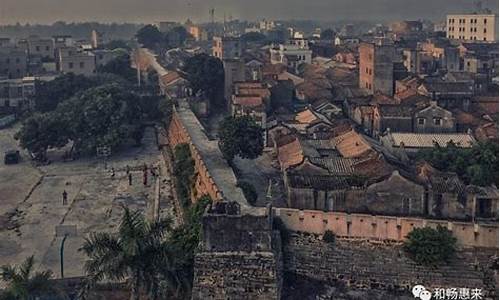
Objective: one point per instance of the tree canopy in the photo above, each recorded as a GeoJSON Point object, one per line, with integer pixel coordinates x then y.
{"type": "Point", "coordinates": [429, 246]}
{"type": "Point", "coordinates": [149, 36]}
{"type": "Point", "coordinates": [206, 74]}
{"type": "Point", "coordinates": [106, 115]}
{"type": "Point", "coordinates": [240, 136]}
{"type": "Point", "coordinates": [25, 284]}
{"type": "Point", "coordinates": [477, 165]}
{"type": "Point", "coordinates": [253, 37]}
{"type": "Point", "coordinates": [327, 34]}
{"type": "Point", "coordinates": [120, 66]}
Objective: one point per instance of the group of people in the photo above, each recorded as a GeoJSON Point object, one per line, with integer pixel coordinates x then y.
{"type": "Point", "coordinates": [153, 170]}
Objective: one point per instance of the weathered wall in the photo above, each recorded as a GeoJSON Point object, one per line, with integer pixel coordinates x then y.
{"type": "Point", "coordinates": [361, 264]}
{"type": "Point", "coordinates": [204, 185]}
{"type": "Point", "coordinates": [240, 255]}
{"type": "Point", "coordinates": [383, 227]}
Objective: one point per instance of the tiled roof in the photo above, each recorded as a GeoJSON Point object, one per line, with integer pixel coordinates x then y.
{"type": "Point", "coordinates": [170, 78]}
{"type": "Point", "coordinates": [336, 165]}
{"type": "Point", "coordinates": [290, 154]}
{"type": "Point", "coordinates": [351, 145]}
{"type": "Point", "coordinates": [318, 182]}
{"type": "Point", "coordinates": [307, 116]}
{"type": "Point", "coordinates": [247, 101]}
{"type": "Point", "coordinates": [427, 140]}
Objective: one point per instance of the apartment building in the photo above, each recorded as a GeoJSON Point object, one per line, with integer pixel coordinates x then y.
{"type": "Point", "coordinates": [472, 27]}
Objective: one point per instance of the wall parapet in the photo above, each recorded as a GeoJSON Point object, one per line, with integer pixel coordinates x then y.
{"type": "Point", "coordinates": [376, 227]}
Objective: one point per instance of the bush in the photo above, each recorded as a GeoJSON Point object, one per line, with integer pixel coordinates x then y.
{"type": "Point", "coordinates": [249, 191]}
{"type": "Point", "coordinates": [329, 237]}
{"type": "Point", "coordinates": [429, 246]}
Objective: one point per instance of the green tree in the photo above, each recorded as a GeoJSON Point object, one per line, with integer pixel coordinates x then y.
{"type": "Point", "coordinates": [138, 252]}
{"type": "Point", "coordinates": [429, 246]}
{"type": "Point", "coordinates": [183, 172]}
{"type": "Point", "coordinates": [177, 36]}
{"type": "Point", "coordinates": [206, 74]}
{"type": "Point", "coordinates": [117, 44]}
{"type": "Point", "coordinates": [149, 36]}
{"type": "Point", "coordinates": [105, 115]}
{"type": "Point", "coordinates": [327, 34]}
{"type": "Point", "coordinates": [50, 93]}
{"type": "Point", "coordinates": [25, 284]}
{"type": "Point", "coordinates": [40, 132]}
{"type": "Point", "coordinates": [249, 191]}
{"type": "Point", "coordinates": [184, 241]}
{"type": "Point", "coordinates": [477, 165]}
{"type": "Point", "coordinates": [253, 37]}
{"type": "Point", "coordinates": [120, 66]}
{"type": "Point", "coordinates": [240, 136]}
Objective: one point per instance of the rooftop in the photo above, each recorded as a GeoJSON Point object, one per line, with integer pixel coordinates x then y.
{"type": "Point", "coordinates": [427, 140]}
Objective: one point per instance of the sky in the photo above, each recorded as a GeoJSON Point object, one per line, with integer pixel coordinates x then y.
{"type": "Point", "coordinates": [147, 11]}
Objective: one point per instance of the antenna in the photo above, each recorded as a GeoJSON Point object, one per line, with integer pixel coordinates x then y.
{"type": "Point", "coordinates": [212, 15]}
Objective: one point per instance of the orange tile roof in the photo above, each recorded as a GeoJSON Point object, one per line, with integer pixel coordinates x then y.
{"type": "Point", "coordinates": [248, 101]}
{"type": "Point", "coordinates": [290, 154]}
{"type": "Point", "coordinates": [170, 77]}
{"type": "Point", "coordinates": [352, 144]}
{"type": "Point", "coordinates": [307, 117]}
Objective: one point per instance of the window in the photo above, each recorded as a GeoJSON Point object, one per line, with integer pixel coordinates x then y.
{"type": "Point", "coordinates": [82, 65]}
{"type": "Point", "coordinates": [46, 48]}
{"type": "Point", "coordinates": [484, 30]}
{"type": "Point", "coordinates": [37, 48]}
{"type": "Point", "coordinates": [70, 65]}
{"type": "Point", "coordinates": [485, 21]}
{"type": "Point", "coordinates": [437, 121]}
{"type": "Point", "coordinates": [421, 121]}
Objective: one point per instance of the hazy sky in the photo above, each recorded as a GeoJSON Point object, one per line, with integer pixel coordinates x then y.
{"type": "Point", "coordinates": [49, 11]}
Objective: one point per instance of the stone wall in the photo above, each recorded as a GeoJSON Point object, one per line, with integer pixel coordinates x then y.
{"type": "Point", "coordinates": [240, 255]}
{"type": "Point", "coordinates": [204, 184]}
{"type": "Point", "coordinates": [383, 227]}
{"type": "Point", "coordinates": [368, 265]}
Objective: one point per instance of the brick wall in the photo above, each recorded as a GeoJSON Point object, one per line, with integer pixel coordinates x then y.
{"type": "Point", "coordinates": [204, 185]}
{"type": "Point", "coordinates": [383, 227]}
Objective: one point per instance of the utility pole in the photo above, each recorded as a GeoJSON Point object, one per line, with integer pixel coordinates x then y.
{"type": "Point", "coordinates": [62, 255]}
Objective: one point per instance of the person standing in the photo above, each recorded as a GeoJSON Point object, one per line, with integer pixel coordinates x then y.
{"type": "Point", "coordinates": [129, 178]}
{"type": "Point", "coordinates": [65, 197]}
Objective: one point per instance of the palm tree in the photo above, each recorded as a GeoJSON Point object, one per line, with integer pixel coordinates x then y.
{"type": "Point", "coordinates": [138, 252]}
{"type": "Point", "coordinates": [23, 284]}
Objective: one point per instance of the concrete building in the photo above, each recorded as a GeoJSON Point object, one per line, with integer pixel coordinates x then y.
{"type": "Point", "coordinates": [434, 119]}
{"type": "Point", "coordinates": [71, 60]}
{"type": "Point", "coordinates": [13, 62]}
{"type": "Point", "coordinates": [293, 53]}
{"type": "Point", "coordinates": [38, 47]}
{"type": "Point", "coordinates": [472, 27]}
{"type": "Point", "coordinates": [376, 66]}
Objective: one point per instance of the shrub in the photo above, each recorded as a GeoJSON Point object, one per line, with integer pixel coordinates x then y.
{"type": "Point", "coordinates": [329, 237]}
{"type": "Point", "coordinates": [249, 191]}
{"type": "Point", "coordinates": [429, 246]}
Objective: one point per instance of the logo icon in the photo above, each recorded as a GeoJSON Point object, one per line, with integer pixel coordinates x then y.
{"type": "Point", "coordinates": [421, 293]}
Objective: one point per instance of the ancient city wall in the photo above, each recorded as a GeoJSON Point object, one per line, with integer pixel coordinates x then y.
{"type": "Point", "coordinates": [383, 227]}
{"type": "Point", "coordinates": [204, 185]}
{"type": "Point", "coordinates": [368, 265]}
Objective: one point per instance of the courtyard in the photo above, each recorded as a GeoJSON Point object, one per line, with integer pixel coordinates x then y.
{"type": "Point", "coordinates": [32, 207]}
